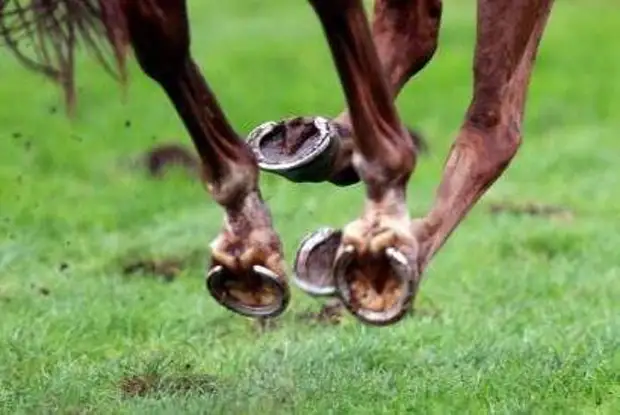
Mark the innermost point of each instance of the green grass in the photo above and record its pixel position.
(518, 314)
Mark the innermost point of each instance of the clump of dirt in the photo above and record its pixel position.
(44, 291)
(532, 209)
(331, 313)
(161, 157)
(154, 384)
(138, 385)
(167, 269)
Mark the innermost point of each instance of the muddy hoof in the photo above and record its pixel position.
(301, 150)
(260, 293)
(378, 292)
(314, 262)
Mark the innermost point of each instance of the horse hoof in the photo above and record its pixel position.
(314, 261)
(383, 309)
(261, 293)
(315, 147)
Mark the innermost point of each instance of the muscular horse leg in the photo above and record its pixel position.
(247, 274)
(508, 36)
(373, 270)
(405, 35)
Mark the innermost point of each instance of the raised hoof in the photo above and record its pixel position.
(382, 298)
(314, 262)
(303, 155)
(260, 293)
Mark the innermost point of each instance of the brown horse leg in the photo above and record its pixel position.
(373, 271)
(508, 36)
(405, 34)
(248, 274)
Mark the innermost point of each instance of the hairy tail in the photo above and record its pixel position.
(43, 36)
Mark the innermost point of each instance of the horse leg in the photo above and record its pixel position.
(318, 149)
(374, 270)
(405, 37)
(405, 34)
(508, 36)
(247, 273)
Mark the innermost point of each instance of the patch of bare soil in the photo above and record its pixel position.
(153, 384)
(532, 209)
(331, 313)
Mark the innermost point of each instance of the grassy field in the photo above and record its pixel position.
(519, 313)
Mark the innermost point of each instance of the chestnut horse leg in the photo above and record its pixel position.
(247, 274)
(375, 270)
(508, 36)
(405, 34)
